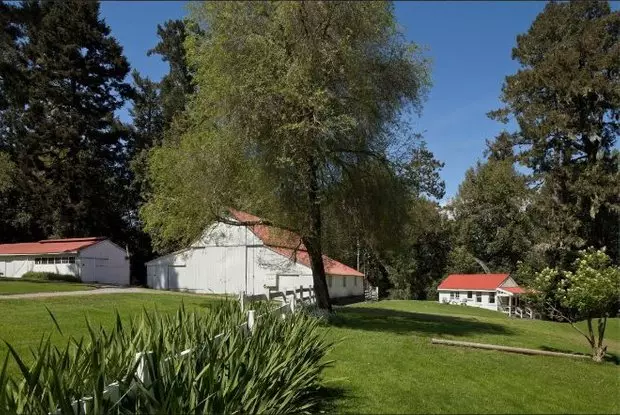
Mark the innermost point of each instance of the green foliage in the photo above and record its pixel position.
(50, 276)
(58, 124)
(461, 261)
(491, 214)
(6, 172)
(591, 289)
(276, 369)
(565, 100)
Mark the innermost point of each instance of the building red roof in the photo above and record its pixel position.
(49, 246)
(472, 282)
(288, 244)
(514, 290)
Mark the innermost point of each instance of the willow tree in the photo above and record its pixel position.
(297, 110)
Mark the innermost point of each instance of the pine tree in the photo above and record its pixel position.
(66, 143)
(566, 101)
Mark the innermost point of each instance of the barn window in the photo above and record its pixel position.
(478, 297)
(344, 281)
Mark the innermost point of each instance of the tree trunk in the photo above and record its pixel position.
(313, 245)
(313, 240)
(598, 353)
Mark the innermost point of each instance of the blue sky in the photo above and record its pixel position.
(469, 43)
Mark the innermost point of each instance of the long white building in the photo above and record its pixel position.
(232, 258)
(91, 259)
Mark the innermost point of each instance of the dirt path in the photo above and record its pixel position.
(97, 291)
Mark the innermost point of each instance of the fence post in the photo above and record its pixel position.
(251, 321)
(242, 300)
(293, 303)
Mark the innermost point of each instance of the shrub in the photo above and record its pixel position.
(276, 369)
(50, 276)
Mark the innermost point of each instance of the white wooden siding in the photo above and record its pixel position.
(228, 259)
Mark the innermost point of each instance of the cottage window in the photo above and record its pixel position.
(457, 294)
(470, 294)
(478, 297)
(37, 260)
(72, 260)
(58, 260)
(492, 298)
(452, 295)
(43, 261)
(65, 260)
(344, 281)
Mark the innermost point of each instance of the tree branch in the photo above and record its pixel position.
(571, 322)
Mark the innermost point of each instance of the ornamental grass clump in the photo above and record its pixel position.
(191, 362)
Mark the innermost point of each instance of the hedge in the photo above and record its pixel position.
(50, 276)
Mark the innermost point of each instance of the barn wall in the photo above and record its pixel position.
(104, 262)
(228, 259)
(15, 267)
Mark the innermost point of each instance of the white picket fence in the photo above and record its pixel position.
(291, 301)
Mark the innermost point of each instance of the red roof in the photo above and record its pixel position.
(514, 290)
(48, 246)
(472, 282)
(289, 244)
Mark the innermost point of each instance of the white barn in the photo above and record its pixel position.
(491, 291)
(91, 259)
(228, 259)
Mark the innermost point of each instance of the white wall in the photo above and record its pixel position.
(445, 295)
(228, 259)
(16, 266)
(104, 262)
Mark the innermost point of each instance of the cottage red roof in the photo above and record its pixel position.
(472, 282)
(514, 290)
(288, 244)
(48, 246)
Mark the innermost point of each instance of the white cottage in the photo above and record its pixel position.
(491, 291)
(230, 258)
(91, 259)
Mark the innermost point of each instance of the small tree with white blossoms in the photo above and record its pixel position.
(590, 291)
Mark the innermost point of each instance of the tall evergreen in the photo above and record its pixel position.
(566, 101)
(66, 144)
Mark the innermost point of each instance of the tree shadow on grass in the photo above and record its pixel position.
(329, 397)
(405, 322)
(609, 357)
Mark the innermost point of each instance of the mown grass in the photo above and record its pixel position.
(25, 321)
(11, 286)
(385, 363)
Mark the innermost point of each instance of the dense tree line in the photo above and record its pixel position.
(294, 111)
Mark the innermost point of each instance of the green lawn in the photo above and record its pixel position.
(15, 286)
(384, 362)
(24, 321)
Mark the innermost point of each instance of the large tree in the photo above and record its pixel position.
(61, 134)
(295, 112)
(491, 211)
(565, 99)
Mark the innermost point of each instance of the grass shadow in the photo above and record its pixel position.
(406, 322)
(609, 357)
(330, 396)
